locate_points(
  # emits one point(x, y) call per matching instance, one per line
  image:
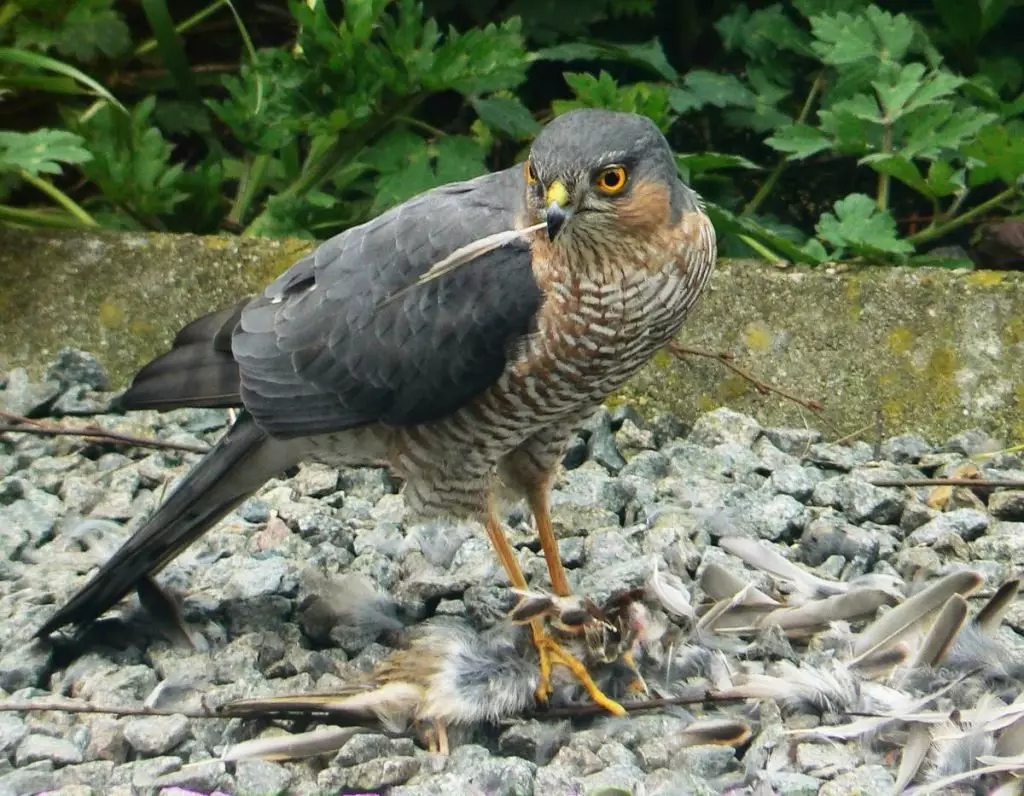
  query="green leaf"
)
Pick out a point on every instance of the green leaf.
point(41, 151)
point(37, 61)
point(935, 130)
point(798, 140)
point(698, 163)
point(711, 88)
point(727, 222)
point(1000, 151)
point(171, 49)
point(458, 158)
point(82, 30)
point(844, 38)
point(506, 115)
point(902, 169)
point(648, 99)
point(858, 226)
point(649, 55)
point(944, 180)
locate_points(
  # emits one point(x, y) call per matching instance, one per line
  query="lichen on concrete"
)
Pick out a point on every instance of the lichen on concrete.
point(926, 350)
point(120, 296)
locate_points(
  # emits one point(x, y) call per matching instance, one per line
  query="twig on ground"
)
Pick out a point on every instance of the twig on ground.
point(680, 351)
point(994, 483)
point(91, 432)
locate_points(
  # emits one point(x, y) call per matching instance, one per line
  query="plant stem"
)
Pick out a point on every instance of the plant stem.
point(61, 198)
point(248, 187)
point(937, 230)
point(760, 248)
point(773, 177)
point(883, 178)
point(181, 27)
point(436, 132)
point(35, 218)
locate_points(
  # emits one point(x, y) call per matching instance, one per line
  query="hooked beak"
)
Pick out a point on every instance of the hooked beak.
point(558, 210)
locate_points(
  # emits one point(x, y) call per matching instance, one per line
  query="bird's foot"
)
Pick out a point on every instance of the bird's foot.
point(551, 654)
point(437, 738)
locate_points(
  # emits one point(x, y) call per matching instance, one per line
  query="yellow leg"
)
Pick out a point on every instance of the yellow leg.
point(549, 651)
point(540, 504)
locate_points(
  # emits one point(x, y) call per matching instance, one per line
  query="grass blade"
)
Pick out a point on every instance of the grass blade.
point(38, 61)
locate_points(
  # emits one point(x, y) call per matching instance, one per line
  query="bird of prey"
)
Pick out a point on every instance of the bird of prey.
point(464, 365)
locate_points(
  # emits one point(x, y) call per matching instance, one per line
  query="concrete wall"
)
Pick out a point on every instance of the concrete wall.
point(921, 350)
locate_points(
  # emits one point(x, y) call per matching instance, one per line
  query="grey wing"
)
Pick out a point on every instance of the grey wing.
point(345, 337)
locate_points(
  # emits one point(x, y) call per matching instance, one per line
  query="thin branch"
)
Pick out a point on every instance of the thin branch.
point(70, 706)
point(680, 352)
point(994, 483)
point(632, 707)
point(92, 433)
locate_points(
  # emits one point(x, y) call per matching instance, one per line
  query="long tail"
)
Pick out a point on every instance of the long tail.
point(244, 459)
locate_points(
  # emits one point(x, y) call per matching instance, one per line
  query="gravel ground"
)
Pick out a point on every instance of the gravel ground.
point(633, 496)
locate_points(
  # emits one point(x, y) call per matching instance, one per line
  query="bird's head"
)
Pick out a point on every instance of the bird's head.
point(595, 174)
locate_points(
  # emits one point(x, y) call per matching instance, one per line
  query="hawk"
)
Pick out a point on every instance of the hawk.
point(469, 379)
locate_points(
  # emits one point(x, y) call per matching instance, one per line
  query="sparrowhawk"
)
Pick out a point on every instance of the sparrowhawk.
point(469, 384)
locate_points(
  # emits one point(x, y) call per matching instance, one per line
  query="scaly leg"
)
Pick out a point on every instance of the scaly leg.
point(539, 499)
point(549, 651)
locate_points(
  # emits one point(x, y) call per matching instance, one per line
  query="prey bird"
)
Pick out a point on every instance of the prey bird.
point(460, 338)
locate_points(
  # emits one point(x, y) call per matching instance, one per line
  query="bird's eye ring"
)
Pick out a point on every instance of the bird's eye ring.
point(531, 174)
point(611, 180)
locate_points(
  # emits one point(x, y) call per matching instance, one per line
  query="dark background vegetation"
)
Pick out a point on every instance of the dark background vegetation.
point(816, 129)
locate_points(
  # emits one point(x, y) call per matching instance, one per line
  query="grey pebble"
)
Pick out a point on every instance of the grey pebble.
point(35, 747)
point(968, 524)
point(155, 735)
point(724, 425)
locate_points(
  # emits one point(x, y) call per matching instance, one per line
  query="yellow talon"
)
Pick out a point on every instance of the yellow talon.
point(551, 652)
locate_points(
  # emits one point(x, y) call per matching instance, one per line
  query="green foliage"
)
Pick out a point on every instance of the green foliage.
point(41, 151)
point(304, 118)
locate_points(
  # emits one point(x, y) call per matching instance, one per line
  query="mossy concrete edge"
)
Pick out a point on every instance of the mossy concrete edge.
point(904, 350)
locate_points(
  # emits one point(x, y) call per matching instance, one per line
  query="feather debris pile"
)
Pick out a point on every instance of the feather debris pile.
point(924, 676)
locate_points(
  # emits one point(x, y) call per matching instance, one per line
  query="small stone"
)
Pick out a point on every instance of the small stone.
point(706, 762)
point(254, 510)
point(375, 775)
point(23, 397)
point(12, 731)
point(201, 777)
point(859, 500)
point(1007, 504)
point(771, 458)
point(862, 780)
point(45, 747)
point(73, 367)
point(35, 515)
point(831, 535)
point(155, 735)
point(724, 425)
point(261, 778)
point(143, 774)
point(971, 443)
point(364, 747)
point(260, 577)
point(794, 441)
point(534, 740)
point(575, 453)
point(968, 524)
point(824, 760)
point(316, 480)
point(796, 481)
point(666, 427)
point(647, 465)
point(631, 439)
point(915, 515)
point(601, 446)
point(1003, 542)
point(28, 781)
point(80, 400)
point(25, 666)
point(472, 770)
point(106, 739)
point(844, 458)
point(789, 783)
point(906, 448)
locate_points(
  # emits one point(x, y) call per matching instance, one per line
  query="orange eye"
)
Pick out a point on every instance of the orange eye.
point(531, 174)
point(611, 180)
